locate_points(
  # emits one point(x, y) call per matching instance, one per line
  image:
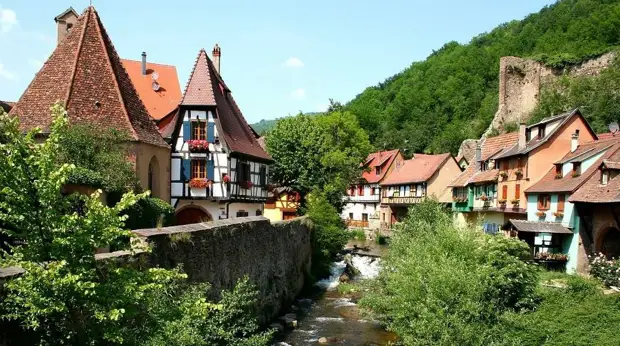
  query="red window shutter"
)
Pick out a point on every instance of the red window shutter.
point(540, 202)
point(517, 191)
point(353, 190)
point(505, 192)
point(561, 203)
point(361, 190)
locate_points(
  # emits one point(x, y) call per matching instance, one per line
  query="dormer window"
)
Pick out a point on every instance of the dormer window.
point(604, 177)
point(199, 130)
point(541, 131)
point(558, 171)
point(378, 170)
point(576, 169)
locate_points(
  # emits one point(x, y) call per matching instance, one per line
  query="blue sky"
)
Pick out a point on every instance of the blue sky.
point(278, 57)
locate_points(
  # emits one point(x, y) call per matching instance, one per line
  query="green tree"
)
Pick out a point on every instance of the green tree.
point(68, 297)
point(318, 152)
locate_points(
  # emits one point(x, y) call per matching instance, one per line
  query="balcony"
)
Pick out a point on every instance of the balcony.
point(401, 200)
point(357, 224)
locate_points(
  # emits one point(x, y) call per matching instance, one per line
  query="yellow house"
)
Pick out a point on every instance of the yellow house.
point(282, 204)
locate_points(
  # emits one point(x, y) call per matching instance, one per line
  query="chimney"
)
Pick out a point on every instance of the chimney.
point(216, 57)
point(522, 135)
point(144, 63)
point(64, 23)
point(478, 152)
point(574, 143)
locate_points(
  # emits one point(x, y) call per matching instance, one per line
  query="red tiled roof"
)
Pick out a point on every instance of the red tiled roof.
point(568, 183)
point(85, 73)
point(378, 159)
point(607, 135)
point(416, 170)
point(489, 148)
point(206, 88)
point(592, 191)
point(615, 165)
point(163, 101)
point(484, 177)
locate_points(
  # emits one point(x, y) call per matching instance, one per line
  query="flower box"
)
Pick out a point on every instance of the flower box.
point(558, 214)
point(519, 173)
point(198, 146)
point(559, 176)
point(246, 184)
point(503, 174)
point(226, 179)
point(575, 174)
point(484, 198)
point(199, 183)
point(515, 202)
point(541, 214)
point(546, 256)
point(459, 199)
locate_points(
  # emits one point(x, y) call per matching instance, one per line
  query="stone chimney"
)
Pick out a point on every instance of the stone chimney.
point(574, 143)
point(522, 135)
point(478, 152)
point(64, 23)
point(144, 63)
point(217, 53)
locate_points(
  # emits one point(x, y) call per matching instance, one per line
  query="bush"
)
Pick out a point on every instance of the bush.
point(329, 235)
point(357, 234)
point(445, 286)
point(150, 212)
point(608, 271)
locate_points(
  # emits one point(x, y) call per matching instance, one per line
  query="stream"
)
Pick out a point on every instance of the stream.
point(326, 316)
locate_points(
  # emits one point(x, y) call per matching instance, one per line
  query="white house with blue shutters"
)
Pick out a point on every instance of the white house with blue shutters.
point(218, 168)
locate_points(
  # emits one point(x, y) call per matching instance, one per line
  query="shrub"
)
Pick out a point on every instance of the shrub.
point(445, 286)
point(606, 270)
point(328, 233)
point(357, 234)
point(150, 212)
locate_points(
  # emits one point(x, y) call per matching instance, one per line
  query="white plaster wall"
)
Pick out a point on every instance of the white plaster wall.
point(218, 210)
point(358, 209)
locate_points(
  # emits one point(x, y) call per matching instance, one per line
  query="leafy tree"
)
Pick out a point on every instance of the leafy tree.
point(452, 95)
point(68, 297)
point(318, 152)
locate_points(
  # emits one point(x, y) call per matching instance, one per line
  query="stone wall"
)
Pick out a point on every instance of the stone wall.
point(275, 256)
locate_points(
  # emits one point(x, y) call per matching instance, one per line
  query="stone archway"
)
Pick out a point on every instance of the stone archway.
point(154, 183)
point(608, 242)
point(192, 214)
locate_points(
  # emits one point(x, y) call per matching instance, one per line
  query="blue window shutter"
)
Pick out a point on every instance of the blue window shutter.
point(210, 170)
point(210, 132)
point(187, 132)
point(186, 170)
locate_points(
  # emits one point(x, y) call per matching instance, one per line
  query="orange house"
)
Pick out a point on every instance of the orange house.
point(538, 147)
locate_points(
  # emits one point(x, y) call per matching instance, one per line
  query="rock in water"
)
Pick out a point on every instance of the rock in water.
point(323, 340)
point(289, 320)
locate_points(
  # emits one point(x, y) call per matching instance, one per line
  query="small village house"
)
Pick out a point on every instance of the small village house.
point(552, 228)
point(361, 204)
point(282, 204)
point(597, 203)
point(86, 74)
point(412, 181)
point(218, 168)
point(474, 192)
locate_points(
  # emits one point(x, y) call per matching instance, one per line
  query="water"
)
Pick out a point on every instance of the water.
point(336, 317)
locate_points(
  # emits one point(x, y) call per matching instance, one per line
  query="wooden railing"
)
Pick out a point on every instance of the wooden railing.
point(401, 200)
point(357, 223)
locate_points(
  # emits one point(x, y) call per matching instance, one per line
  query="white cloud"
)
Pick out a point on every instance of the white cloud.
point(8, 19)
point(37, 64)
point(6, 74)
point(294, 62)
point(298, 94)
point(322, 107)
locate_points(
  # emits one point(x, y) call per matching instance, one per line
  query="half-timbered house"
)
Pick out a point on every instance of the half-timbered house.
point(218, 168)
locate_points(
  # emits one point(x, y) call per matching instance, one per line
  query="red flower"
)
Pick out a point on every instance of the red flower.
point(199, 183)
point(246, 184)
point(198, 146)
point(226, 179)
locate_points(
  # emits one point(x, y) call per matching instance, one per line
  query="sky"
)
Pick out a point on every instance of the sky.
point(279, 57)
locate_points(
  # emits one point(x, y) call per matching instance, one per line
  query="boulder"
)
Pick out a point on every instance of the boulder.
point(323, 341)
point(289, 320)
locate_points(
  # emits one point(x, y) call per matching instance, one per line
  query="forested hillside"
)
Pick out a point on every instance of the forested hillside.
point(434, 104)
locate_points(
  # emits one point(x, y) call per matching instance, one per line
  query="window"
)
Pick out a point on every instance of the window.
point(199, 169)
point(378, 170)
point(419, 190)
point(517, 191)
point(244, 172)
point(383, 217)
point(199, 130)
point(412, 190)
point(352, 190)
point(576, 169)
point(373, 191)
point(259, 212)
point(242, 213)
point(360, 190)
point(558, 171)
point(350, 216)
point(263, 176)
point(604, 177)
point(505, 192)
point(543, 202)
point(528, 135)
point(365, 217)
point(561, 202)
point(541, 131)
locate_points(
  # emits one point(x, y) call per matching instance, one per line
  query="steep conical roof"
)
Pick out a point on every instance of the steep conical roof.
point(85, 73)
point(207, 88)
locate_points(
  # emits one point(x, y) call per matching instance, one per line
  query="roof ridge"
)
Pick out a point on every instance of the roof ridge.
point(98, 28)
point(77, 55)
